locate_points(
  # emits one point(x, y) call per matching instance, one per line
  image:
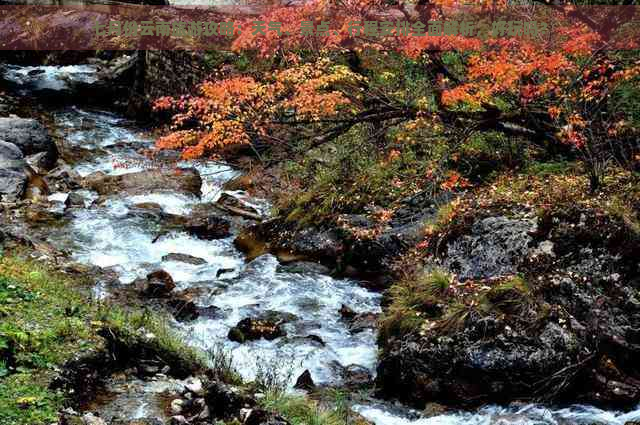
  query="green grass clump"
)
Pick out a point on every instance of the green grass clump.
point(412, 301)
point(301, 410)
point(146, 334)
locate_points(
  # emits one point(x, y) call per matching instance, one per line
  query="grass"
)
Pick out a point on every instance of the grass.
point(44, 320)
point(146, 334)
point(300, 410)
point(47, 317)
point(412, 301)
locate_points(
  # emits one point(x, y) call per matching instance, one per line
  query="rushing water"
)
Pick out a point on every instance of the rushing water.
point(106, 235)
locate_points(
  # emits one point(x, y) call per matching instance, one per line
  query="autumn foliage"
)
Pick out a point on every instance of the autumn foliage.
point(545, 86)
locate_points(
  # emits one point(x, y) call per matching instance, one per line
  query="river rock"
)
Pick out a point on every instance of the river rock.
point(250, 329)
point(157, 284)
point(182, 180)
point(184, 258)
point(74, 200)
point(208, 228)
point(178, 420)
point(90, 419)
point(176, 406)
point(263, 417)
point(12, 185)
point(30, 137)
point(303, 267)
point(194, 385)
point(183, 308)
point(363, 321)
point(242, 182)
point(225, 401)
point(305, 381)
point(13, 178)
point(347, 312)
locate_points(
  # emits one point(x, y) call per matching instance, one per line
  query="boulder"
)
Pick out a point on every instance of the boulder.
point(13, 178)
point(225, 401)
point(181, 180)
point(157, 284)
point(183, 308)
point(263, 417)
point(494, 248)
point(564, 330)
point(301, 267)
point(251, 329)
point(305, 381)
point(12, 185)
point(30, 137)
point(184, 258)
point(208, 228)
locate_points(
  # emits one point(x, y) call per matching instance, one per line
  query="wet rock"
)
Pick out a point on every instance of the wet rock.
point(356, 376)
point(242, 182)
point(74, 200)
point(305, 381)
point(316, 339)
point(210, 312)
point(225, 401)
point(176, 406)
point(10, 155)
point(38, 162)
point(263, 417)
point(362, 322)
point(194, 385)
point(184, 258)
point(141, 421)
point(251, 329)
point(63, 179)
point(290, 244)
point(208, 228)
point(183, 309)
point(233, 205)
point(91, 419)
point(157, 284)
point(182, 180)
point(13, 178)
point(222, 271)
point(13, 184)
point(433, 409)
point(30, 137)
point(178, 420)
point(303, 267)
point(347, 313)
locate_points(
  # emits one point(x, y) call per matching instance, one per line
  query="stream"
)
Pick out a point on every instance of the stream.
point(106, 235)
